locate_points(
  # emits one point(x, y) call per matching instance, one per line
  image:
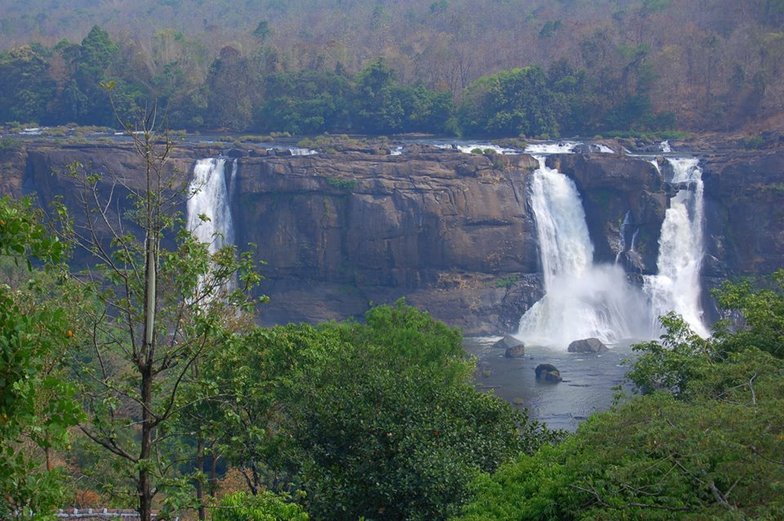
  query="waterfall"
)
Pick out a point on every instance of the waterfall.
point(581, 299)
point(208, 208)
point(676, 286)
point(622, 237)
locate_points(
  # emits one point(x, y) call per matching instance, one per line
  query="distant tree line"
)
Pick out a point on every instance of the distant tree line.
point(716, 64)
point(257, 92)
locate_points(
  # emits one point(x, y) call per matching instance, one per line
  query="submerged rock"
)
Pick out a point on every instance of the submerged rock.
point(514, 347)
point(515, 352)
point(548, 373)
point(587, 345)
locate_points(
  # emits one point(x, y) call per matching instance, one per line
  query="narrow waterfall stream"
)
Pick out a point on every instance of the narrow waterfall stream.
point(208, 208)
point(676, 286)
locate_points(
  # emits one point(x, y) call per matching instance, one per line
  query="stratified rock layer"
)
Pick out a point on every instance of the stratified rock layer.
point(451, 232)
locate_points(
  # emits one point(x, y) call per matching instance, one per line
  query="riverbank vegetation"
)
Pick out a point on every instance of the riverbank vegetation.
point(373, 420)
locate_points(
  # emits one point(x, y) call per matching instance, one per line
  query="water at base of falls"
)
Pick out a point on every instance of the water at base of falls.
point(597, 303)
point(583, 299)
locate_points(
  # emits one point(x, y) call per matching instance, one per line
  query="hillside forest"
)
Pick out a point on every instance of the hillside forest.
point(140, 378)
point(479, 68)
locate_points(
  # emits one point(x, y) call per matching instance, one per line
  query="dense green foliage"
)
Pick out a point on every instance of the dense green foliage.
point(264, 506)
point(376, 420)
point(37, 404)
point(516, 102)
point(761, 312)
point(703, 442)
point(636, 63)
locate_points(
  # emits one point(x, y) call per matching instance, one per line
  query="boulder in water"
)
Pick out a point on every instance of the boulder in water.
point(587, 345)
point(514, 347)
point(507, 341)
point(548, 373)
point(515, 352)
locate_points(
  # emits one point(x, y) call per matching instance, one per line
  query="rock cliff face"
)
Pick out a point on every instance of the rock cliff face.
point(618, 189)
point(451, 232)
point(447, 230)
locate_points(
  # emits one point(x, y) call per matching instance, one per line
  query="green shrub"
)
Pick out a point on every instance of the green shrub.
point(342, 184)
point(265, 506)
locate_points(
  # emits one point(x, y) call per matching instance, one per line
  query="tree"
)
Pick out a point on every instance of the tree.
point(265, 506)
point(37, 403)
point(85, 98)
point(673, 362)
point(377, 420)
point(306, 102)
point(163, 297)
point(383, 105)
point(377, 110)
point(27, 85)
point(761, 313)
point(515, 102)
point(234, 87)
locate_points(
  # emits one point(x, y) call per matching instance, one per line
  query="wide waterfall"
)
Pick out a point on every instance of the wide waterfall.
point(209, 209)
point(676, 286)
point(581, 299)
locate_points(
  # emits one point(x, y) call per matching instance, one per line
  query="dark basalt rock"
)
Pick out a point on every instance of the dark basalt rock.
point(507, 342)
point(611, 187)
point(587, 345)
point(548, 373)
point(514, 348)
point(451, 232)
point(515, 352)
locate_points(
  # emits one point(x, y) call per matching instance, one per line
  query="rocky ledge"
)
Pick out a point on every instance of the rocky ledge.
point(451, 232)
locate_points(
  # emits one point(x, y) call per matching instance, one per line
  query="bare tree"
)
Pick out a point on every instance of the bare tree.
point(161, 298)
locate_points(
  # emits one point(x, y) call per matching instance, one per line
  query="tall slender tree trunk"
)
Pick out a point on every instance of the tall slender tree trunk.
point(200, 478)
point(145, 484)
point(148, 352)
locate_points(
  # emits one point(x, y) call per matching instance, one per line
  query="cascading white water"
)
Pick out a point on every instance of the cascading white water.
point(587, 300)
point(208, 208)
point(676, 286)
point(622, 237)
point(581, 299)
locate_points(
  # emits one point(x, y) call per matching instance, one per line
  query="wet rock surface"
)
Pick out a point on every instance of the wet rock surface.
point(587, 345)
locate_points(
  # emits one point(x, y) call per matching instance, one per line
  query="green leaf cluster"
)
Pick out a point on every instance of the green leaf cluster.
point(37, 404)
point(759, 314)
point(265, 506)
point(376, 420)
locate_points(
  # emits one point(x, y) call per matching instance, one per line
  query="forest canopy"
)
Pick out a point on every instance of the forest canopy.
point(488, 67)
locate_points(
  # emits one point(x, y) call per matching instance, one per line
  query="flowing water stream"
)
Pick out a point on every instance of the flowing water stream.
point(585, 299)
point(209, 206)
